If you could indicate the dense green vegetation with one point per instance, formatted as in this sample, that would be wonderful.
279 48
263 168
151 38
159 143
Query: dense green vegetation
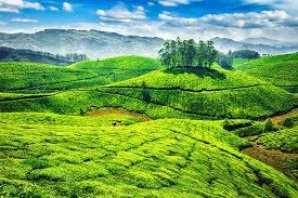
46 155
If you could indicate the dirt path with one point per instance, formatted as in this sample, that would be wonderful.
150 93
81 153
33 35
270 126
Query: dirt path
274 158
281 117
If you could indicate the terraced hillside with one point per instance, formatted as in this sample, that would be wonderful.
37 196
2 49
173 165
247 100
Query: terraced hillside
16 76
47 155
215 93
279 70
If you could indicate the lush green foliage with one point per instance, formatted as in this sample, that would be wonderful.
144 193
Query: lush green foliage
46 155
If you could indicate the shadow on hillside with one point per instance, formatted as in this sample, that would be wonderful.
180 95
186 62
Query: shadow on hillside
198 71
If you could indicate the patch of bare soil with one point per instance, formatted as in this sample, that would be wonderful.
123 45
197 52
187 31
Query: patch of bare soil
279 118
275 158
110 111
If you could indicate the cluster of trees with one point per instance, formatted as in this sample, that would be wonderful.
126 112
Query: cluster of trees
247 54
225 61
9 54
187 53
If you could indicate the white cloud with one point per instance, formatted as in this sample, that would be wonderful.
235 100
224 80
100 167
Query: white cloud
121 14
150 3
277 18
53 8
15 6
23 20
173 3
291 6
236 25
67 7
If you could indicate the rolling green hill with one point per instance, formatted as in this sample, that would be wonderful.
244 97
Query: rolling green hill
281 70
215 93
47 155
18 76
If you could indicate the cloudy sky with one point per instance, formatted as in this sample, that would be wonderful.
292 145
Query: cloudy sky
198 19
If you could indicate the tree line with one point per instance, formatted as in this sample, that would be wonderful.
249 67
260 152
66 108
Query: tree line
9 54
187 53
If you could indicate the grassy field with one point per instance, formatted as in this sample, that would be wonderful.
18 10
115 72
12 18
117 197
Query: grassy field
47 155
278 70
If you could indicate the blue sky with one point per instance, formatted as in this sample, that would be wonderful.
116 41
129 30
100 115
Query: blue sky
199 19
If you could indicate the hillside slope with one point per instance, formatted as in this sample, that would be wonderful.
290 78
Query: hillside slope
52 157
24 76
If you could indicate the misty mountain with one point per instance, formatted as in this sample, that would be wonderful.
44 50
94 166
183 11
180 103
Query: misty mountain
262 45
99 44
93 43
25 55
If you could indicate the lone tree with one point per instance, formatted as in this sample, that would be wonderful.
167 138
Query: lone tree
187 53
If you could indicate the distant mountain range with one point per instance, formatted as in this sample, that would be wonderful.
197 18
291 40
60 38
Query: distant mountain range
99 44
262 45
93 43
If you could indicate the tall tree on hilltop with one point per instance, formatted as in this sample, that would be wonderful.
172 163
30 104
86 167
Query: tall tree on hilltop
165 55
211 53
201 54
